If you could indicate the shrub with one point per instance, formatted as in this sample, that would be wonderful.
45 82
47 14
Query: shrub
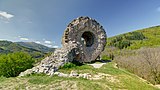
12 64
145 63
105 57
126 40
122 44
68 65
135 36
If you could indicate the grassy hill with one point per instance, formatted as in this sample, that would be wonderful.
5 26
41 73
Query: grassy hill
137 52
149 37
36 46
116 79
144 38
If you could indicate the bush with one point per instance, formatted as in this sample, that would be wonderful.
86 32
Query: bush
12 64
105 57
123 44
135 36
126 40
145 63
68 65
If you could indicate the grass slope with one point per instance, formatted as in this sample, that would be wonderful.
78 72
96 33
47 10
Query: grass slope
152 38
124 80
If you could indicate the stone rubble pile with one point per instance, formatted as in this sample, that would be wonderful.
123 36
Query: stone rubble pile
51 64
89 76
74 74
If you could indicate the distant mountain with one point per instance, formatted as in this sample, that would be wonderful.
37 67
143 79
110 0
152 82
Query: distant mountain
36 46
10 47
148 37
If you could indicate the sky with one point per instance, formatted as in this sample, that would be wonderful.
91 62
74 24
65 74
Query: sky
44 21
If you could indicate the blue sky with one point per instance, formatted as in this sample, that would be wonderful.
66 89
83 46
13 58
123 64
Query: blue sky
44 21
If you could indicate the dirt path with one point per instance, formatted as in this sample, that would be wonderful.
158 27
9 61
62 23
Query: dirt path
97 65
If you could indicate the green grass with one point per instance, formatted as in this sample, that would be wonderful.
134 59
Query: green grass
152 39
2 79
125 79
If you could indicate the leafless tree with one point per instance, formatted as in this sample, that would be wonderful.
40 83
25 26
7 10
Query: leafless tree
144 62
151 57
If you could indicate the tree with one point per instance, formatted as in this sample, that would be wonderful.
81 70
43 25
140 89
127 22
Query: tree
144 62
12 64
151 57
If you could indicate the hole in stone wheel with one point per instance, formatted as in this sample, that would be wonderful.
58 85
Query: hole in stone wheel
87 38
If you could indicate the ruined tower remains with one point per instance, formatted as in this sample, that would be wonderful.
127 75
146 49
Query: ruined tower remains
83 41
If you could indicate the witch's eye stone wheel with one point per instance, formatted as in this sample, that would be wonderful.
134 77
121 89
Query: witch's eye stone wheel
89 36
83 41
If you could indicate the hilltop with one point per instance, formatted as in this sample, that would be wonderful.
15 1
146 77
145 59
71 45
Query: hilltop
143 38
148 37
36 46
35 50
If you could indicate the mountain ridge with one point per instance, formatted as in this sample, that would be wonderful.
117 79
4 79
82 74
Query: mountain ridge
36 46
11 47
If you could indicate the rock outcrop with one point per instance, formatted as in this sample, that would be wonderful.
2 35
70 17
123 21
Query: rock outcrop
83 41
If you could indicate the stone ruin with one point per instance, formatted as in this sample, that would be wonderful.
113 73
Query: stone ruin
83 41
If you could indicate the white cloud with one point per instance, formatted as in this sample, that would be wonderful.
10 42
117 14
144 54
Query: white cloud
47 42
24 39
51 46
38 42
48 45
6 15
2 39
55 46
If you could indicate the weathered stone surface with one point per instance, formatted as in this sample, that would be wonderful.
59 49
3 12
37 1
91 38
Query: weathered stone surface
73 74
83 41
51 64
89 35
